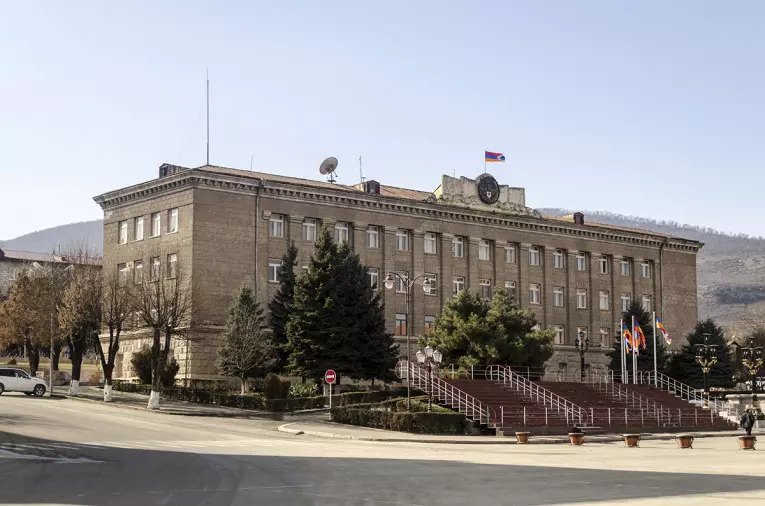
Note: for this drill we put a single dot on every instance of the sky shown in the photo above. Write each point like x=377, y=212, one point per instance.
x=647, y=108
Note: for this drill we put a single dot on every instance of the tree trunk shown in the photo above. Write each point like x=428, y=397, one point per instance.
x=55, y=356
x=108, y=371
x=156, y=367
x=78, y=344
x=244, y=385
x=33, y=354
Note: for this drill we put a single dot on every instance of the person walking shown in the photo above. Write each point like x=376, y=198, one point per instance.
x=747, y=421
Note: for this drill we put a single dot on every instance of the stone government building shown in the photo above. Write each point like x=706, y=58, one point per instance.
x=230, y=227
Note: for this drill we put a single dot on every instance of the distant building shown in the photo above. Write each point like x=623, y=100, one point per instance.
x=230, y=227
x=12, y=262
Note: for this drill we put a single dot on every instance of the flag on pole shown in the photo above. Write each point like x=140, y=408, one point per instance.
x=660, y=326
x=639, y=336
x=627, y=336
x=493, y=157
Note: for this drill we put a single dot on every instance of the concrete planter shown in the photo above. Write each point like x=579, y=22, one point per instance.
x=522, y=437
x=631, y=440
x=576, y=438
x=684, y=441
x=746, y=442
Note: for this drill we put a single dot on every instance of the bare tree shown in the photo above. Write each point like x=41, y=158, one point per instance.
x=117, y=299
x=22, y=316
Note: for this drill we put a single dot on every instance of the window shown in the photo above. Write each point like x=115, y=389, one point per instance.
x=559, y=334
x=273, y=270
x=458, y=285
x=155, y=267
x=510, y=288
x=581, y=262
x=625, y=267
x=401, y=280
x=484, y=250
x=433, y=284
x=582, y=333
x=535, y=293
x=605, y=299
x=123, y=273
x=431, y=246
x=458, y=247
x=122, y=232
x=605, y=337
x=645, y=270
x=373, y=236
x=603, y=264
x=557, y=259
x=484, y=288
x=374, y=277
x=429, y=322
x=558, y=296
x=400, y=324
x=510, y=253
x=172, y=221
x=402, y=240
x=647, y=303
x=138, y=272
x=341, y=232
x=581, y=298
x=309, y=229
x=155, y=228
x=626, y=299
x=276, y=225
x=533, y=255
x=172, y=265
x=138, y=229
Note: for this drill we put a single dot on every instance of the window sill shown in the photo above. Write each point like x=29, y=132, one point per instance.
x=171, y=233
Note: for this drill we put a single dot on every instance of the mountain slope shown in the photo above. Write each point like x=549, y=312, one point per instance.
x=62, y=238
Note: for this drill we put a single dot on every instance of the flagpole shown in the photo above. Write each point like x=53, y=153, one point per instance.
x=655, y=359
x=484, y=161
x=635, y=348
x=624, y=351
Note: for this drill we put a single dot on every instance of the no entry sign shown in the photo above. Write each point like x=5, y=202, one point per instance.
x=330, y=376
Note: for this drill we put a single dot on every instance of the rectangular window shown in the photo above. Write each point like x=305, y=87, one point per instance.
x=647, y=303
x=273, y=270
x=155, y=225
x=625, y=267
x=433, y=284
x=510, y=288
x=581, y=262
x=400, y=324
x=558, y=296
x=431, y=244
x=122, y=232
x=557, y=259
x=138, y=272
x=309, y=229
x=645, y=270
x=373, y=236
x=626, y=300
x=374, y=277
x=155, y=268
x=535, y=293
x=429, y=322
x=401, y=280
x=605, y=300
x=341, y=232
x=123, y=273
x=603, y=264
x=560, y=331
x=581, y=298
x=172, y=221
x=582, y=333
x=458, y=285
x=276, y=225
x=484, y=286
x=484, y=250
x=172, y=265
x=533, y=255
x=510, y=254
x=402, y=240
x=138, y=229
x=458, y=247
x=605, y=337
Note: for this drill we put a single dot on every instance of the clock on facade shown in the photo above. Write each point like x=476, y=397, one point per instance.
x=488, y=189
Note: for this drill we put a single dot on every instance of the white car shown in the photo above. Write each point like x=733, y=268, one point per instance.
x=17, y=380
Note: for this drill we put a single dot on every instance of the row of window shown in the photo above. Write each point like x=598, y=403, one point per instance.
x=605, y=335
x=604, y=297
x=401, y=324
x=154, y=269
x=155, y=222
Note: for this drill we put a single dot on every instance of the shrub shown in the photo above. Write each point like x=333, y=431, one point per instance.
x=141, y=363
x=303, y=390
x=275, y=387
x=378, y=416
x=12, y=362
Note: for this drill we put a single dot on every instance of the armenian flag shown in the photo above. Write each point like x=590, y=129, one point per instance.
x=627, y=335
x=493, y=157
x=639, y=336
x=660, y=326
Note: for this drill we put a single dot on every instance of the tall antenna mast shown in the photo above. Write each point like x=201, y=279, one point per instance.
x=207, y=73
x=361, y=171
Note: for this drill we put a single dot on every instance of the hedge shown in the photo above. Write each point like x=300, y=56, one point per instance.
x=258, y=402
x=380, y=416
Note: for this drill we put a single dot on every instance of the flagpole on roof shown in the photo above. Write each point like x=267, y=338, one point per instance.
x=207, y=74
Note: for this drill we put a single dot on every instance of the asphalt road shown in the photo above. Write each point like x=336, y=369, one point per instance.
x=69, y=452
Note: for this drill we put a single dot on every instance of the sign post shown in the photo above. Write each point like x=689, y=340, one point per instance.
x=330, y=377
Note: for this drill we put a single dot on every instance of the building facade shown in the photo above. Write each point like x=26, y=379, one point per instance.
x=231, y=227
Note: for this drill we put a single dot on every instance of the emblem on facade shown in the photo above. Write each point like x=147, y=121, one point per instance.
x=488, y=189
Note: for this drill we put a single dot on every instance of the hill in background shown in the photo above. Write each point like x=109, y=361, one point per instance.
x=62, y=238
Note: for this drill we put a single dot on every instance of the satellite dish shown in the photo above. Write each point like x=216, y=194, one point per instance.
x=327, y=168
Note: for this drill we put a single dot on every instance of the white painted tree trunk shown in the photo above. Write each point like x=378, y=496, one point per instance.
x=107, y=393
x=153, y=400
x=74, y=387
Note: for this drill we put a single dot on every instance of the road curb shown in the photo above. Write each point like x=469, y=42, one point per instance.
x=173, y=412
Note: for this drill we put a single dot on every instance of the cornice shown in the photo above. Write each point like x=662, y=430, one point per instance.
x=195, y=178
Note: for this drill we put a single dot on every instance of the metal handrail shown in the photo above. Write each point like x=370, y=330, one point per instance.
x=621, y=393
x=687, y=392
x=502, y=374
x=447, y=393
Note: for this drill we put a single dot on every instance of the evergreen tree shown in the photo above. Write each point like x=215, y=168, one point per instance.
x=645, y=356
x=684, y=367
x=280, y=307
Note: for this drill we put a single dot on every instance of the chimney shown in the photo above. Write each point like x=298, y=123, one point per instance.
x=370, y=186
x=578, y=219
x=167, y=169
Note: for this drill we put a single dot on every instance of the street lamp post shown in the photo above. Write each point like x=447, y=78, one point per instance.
x=429, y=356
x=582, y=344
x=751, y=357
x=706, y=357
x=390, y=281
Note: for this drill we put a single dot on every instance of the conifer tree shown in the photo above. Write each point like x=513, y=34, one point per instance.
x=645, y=356
x=684, y=367
x=280, y=307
